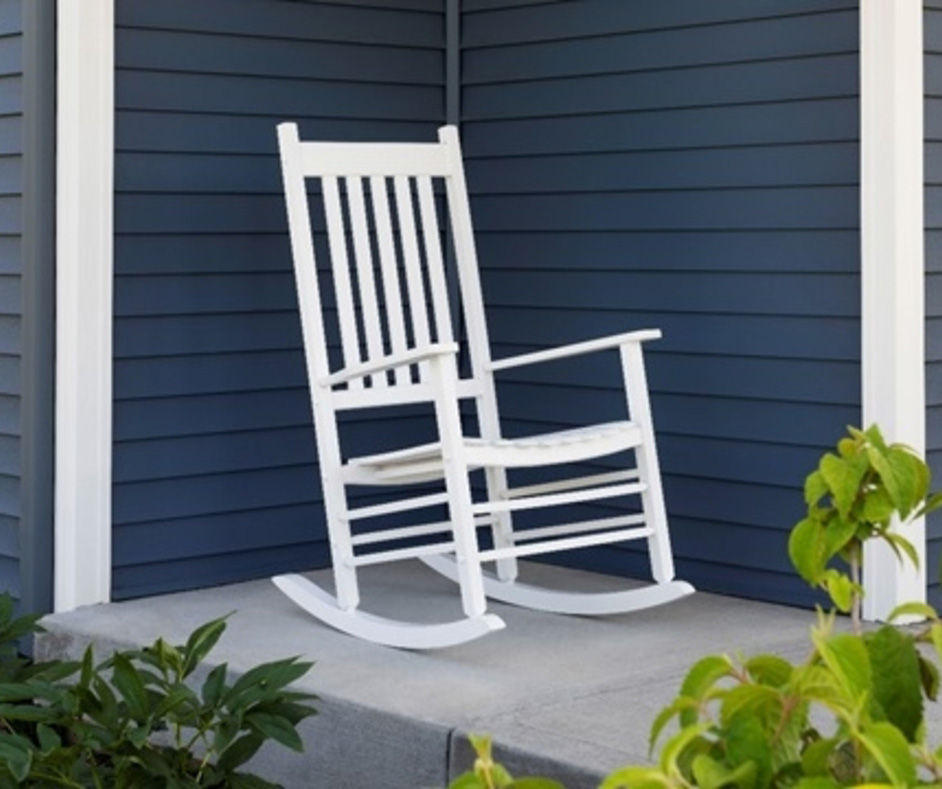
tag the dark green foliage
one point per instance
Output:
(139, 720)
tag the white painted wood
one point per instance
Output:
(575, 482)
(434, 261)
(566, 602)
(892, 265)
(449, 459)
(391, 362)
(84, 274)
(381, 630)
(558, 499)
(390, 274)
(652, 497)
(315, 343)
(368, 159)
(340, 267)
(418, 314)
(565, 543)
(369, 304)
(575, 349)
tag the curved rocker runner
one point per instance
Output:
(394, 322)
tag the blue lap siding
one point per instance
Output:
(27, 40)
(214, 466)
(690, 166)
(932, 31)
(686, 165)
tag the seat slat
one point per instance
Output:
(369, 304)
(340, 266)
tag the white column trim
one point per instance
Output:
(84, 218)
(892, 262)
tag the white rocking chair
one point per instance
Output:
(398, 355)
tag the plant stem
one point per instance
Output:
(855, 600)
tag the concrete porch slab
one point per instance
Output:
(567, 696)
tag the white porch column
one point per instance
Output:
(892, 266)
(85, 163)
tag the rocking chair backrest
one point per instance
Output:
(379, 205)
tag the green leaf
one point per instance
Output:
(240, 751)
(48, 739)
(806, 549)
(935, 633)
(815, 488)
(897, 685)
(678, 706)
(905, 468)
(130, 686)
(635, 778)
(921, 610)
(17, 754)
(841, 589)
(746, 744)
(817, 783)
(200, 642)
(929, 676)
(675, 746)
(929, 505)
(701, 677)
(214, 686)
(769, 670)
(887, 476)
(900, 543)
(889, 748)
(843, 476)
(276, 727)
(748, 698)
(877, 507)
(814, 760)
(846, 656)
(248, 781)
(837, 534)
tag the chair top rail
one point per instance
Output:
(369, 159)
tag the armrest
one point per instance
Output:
(412, 356)
(576, 349)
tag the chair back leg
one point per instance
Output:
(652, 497)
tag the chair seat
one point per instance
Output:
(424, 462)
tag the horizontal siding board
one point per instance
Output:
(9, 496)
(9, 373)
(693, 127)
(834, 295)
(172, 92)
(759, 378)
(674, 47)
(162, 577)
(11, 55)
(148, 130)
(739, 335)
(10, 334)
(821, 207)
(719, 168)
(824, 250)
(9, 414)
(9, 455)
(786, 80)
(306, 21)
(292, 60)
(569, 20)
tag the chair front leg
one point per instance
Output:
(652, 497)
(444, 376)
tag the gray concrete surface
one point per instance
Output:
(570, 696)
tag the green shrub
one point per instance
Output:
(137, 720)
(852, 713)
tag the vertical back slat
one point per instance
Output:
(364, 258)
(343, 290)
(433, 258)
(390, 273)
(413, 265)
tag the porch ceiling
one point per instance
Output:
(570, 695)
